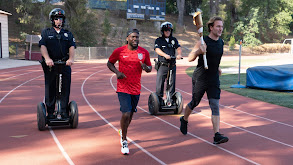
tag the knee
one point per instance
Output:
(214, 105)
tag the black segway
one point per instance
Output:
(171, 103)
(58, 120)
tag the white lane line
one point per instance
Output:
(51, 131)
(60, 147)
(273, 121)
(106, 121)
(265, 137)
(11, 71)
(18, 87)
(18, 75)
(230, 152)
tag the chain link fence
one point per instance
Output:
(90, 53)
(17, 51)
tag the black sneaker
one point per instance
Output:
(183, 125)
(219, 138)
(50, 116)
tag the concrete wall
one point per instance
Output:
(4, 35)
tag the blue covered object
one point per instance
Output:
(279, 77)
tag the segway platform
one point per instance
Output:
(155, 106)
(71, 108)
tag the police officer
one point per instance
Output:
(57, 44)
(165, 48)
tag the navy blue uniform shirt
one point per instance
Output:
(167, 47)
(57, 44)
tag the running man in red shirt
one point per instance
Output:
(132, 60)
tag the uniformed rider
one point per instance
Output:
(57, 44)
(165, 47)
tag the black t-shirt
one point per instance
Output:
(214, 54)
(57, 44)
(167, 47)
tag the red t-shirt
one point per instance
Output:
(129, 64)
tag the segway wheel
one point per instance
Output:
(179, 103)
(154, 104)
(73, 114)
(41, 116)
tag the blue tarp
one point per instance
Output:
(279, 77)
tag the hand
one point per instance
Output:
(69, 62)
(202, 49)
(143, 65)
(120, 75)
(49, 62)
(168, 57)
(179, 57)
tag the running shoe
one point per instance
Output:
(124, 148)
(121, 138)
(183, 125)
(219, 138)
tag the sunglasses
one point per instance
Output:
(56, 18)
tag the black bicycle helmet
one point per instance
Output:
(57, 12)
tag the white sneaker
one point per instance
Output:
(120, 134)
(124, 148)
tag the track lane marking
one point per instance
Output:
(51, 131)
(262, 136)
(234, 109)
(193, 135)
(111, 125)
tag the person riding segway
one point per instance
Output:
(58, 49)
(165, 47)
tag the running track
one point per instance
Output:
(260, 133)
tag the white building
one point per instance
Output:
(4, 42)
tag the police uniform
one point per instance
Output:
(169, 48)
(58, 45)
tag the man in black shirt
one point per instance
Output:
(165, 47)
(57, 44)
(207, 80)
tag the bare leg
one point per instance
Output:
(216, 123)
(187, 112)
(125, 122)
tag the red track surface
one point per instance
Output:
(260, 133)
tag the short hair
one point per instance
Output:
(132, 31)
(212, 21)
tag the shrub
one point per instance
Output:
(271, 48)
(232, 43)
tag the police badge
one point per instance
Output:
(173, 42)
(140, 56)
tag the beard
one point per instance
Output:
(134, 46)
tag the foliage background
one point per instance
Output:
(254, 22)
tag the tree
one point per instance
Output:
(82, 22)
(180, 7)
(214, 7)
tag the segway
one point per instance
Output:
(71, 108)
(171, 103)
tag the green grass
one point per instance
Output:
(275, 97)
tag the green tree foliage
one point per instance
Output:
(82, 22)
(248, 28)
(272, 19)
(232, 43)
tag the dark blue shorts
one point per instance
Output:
(128, 102)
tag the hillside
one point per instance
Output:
(186, 35)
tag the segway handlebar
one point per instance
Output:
(59, 62)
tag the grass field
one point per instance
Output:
(275, 97)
